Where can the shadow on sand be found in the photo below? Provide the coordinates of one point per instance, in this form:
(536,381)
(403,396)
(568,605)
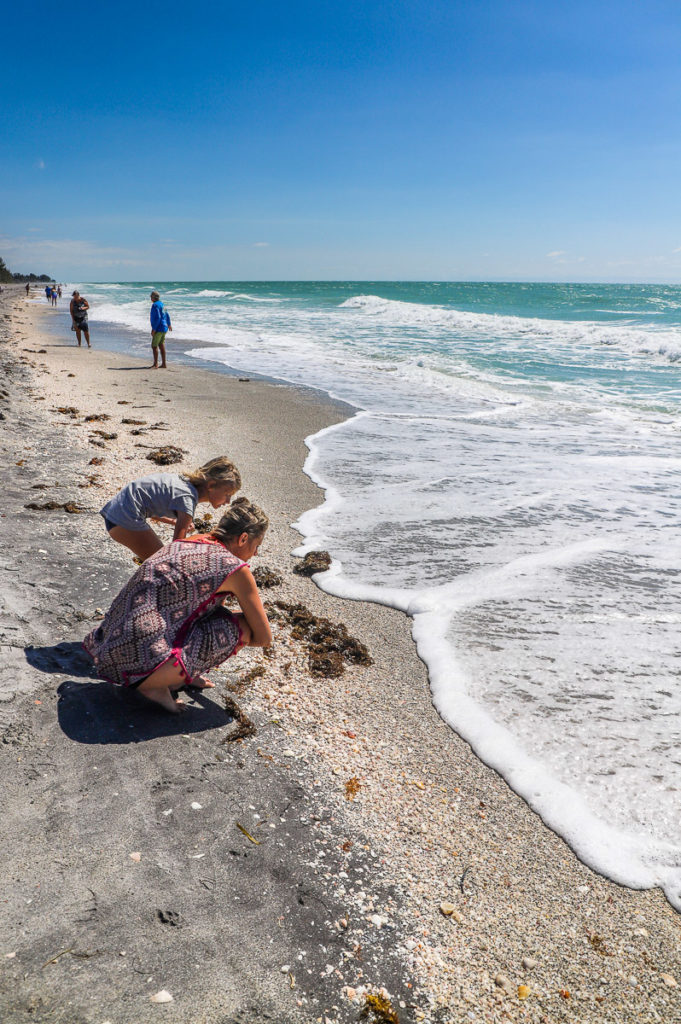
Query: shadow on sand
(67,658)
(98,712)
(102,713)
(127,368)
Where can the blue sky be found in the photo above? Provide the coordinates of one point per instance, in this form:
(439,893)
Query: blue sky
(498,139)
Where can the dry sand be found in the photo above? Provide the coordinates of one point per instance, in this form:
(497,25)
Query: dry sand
(388,857)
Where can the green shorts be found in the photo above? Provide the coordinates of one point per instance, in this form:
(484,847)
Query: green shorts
(157,338)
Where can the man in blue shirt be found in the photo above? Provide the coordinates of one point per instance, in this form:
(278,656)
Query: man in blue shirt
(160,325)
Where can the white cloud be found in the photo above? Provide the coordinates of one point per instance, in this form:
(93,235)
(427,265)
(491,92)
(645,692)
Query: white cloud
(36,252)
(261,245)
(556,254)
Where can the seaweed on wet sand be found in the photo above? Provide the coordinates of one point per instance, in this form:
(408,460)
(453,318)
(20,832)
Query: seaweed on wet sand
(53,506)
(245,727)
(96,417)
(105,435)
(266,577)
(67,410)
(328,643)
(166,455)
(314,561)
(238,684)
(132,422)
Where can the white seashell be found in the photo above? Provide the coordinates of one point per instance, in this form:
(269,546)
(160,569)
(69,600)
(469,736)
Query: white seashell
(161,997)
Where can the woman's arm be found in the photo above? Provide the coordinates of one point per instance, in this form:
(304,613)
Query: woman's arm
(243,586)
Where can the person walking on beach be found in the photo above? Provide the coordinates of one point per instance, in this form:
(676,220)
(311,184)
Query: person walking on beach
(168,625)
(167,498)
(54,295)
(160,325)
(28,288)
(79,321)
(48,292)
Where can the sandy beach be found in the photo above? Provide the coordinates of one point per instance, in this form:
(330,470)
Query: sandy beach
(352,859)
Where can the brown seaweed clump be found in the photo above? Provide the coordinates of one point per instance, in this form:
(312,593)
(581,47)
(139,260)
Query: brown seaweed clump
(379,1009)
(314,561)
(266,577)
(67,410)
(96,417)
(245,727)
(166,455)
(91,481)
(203,524)
(105,435)
(52,506)
(328,664)
(134,423)
(328,643)
(97,461)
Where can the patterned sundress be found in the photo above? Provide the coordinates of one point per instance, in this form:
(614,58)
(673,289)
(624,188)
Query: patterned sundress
(169,609)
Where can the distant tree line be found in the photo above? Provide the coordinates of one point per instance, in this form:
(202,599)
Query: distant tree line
(7,277)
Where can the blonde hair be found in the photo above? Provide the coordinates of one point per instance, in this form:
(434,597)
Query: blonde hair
(242,516)
(219,470)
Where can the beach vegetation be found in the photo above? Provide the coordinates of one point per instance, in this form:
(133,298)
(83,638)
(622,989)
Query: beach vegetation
(7,277)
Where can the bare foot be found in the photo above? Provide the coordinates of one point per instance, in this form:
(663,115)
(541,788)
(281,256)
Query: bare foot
(201,683)
(162,696)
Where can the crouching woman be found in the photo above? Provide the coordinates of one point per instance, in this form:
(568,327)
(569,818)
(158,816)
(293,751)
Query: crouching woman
(168,625)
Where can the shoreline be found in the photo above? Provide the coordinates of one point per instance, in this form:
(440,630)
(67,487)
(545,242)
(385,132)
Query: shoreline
(444,828)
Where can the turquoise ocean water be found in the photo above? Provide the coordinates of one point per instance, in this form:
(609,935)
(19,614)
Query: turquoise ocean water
(511,480)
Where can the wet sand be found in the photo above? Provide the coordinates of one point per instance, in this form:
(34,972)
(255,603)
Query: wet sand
(388,859)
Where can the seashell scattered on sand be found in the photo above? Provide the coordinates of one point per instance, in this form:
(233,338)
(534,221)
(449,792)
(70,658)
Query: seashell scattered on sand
(161,997)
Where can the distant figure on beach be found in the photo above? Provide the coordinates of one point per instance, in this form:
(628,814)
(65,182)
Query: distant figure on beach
(28,287)
(79,321)
(168,625)
(54,295)
(59,290)
(160,325)
(167,498)
(48,292)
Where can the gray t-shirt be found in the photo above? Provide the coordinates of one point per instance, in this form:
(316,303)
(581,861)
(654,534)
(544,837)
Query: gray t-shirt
(159,494)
